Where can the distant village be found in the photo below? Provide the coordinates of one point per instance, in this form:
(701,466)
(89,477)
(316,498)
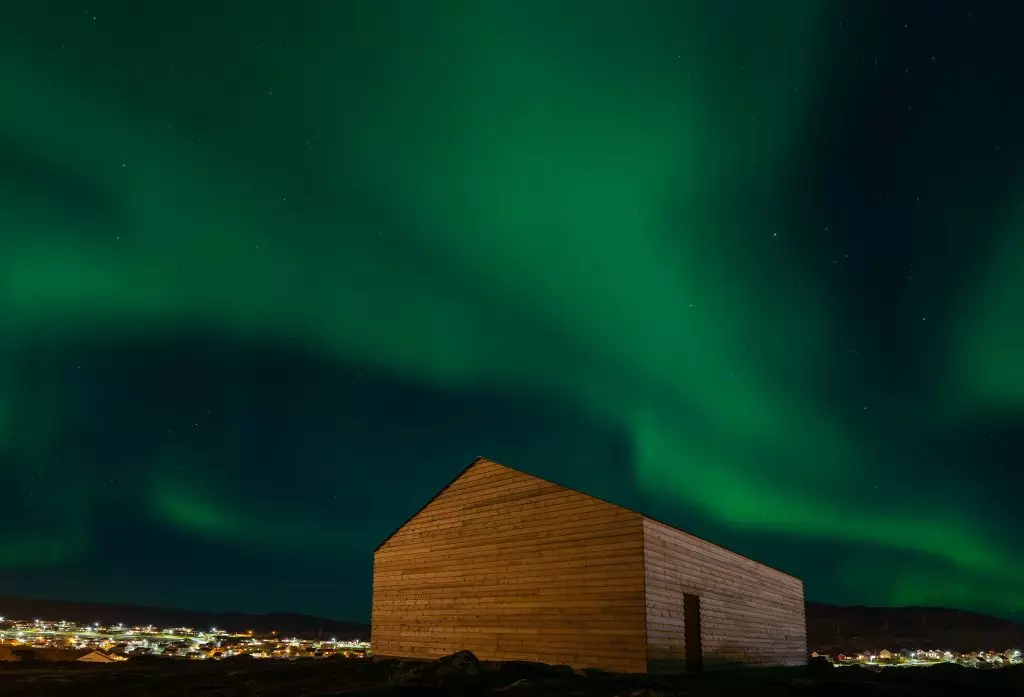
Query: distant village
(907,657)
(57,641)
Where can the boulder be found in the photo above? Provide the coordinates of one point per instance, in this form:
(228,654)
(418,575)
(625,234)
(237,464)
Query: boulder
(503,673)
(461,668)
(820,667)
(391,670)
(652,692)
(522,684)
(544,686)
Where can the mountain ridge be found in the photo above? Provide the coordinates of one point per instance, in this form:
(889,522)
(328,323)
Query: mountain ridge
(285,623)
(854,628)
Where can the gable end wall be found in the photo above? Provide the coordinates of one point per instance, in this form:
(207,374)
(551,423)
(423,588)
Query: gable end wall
(513,567)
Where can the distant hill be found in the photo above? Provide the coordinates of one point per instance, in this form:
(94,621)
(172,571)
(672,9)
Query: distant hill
(838,629)
(284,623)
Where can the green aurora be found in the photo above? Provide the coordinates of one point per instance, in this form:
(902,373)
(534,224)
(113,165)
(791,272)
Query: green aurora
(649,218)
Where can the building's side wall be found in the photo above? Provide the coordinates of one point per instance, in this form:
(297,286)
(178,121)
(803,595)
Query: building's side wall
(514,568)
(750,613)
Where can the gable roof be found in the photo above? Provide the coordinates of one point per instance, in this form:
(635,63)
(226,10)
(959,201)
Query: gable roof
(481,459)
(434,498)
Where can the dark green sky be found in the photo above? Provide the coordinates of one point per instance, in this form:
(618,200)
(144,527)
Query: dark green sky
(271,273)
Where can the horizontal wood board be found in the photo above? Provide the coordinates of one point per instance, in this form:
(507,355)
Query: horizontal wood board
(513,567)
(750,613)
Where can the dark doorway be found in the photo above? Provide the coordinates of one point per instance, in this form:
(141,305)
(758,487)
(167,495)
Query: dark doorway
(691,625)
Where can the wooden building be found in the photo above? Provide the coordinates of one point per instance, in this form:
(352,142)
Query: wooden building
(513,567)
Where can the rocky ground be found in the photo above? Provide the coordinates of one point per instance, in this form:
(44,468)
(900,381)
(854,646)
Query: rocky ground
(462,675)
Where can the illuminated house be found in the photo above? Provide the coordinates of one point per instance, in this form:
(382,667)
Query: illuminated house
(98,657)
(513,567)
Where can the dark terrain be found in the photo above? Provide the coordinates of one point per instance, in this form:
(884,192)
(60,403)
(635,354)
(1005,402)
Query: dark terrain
(461,675)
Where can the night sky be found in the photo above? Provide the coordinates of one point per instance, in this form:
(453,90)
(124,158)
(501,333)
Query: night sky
(272,273)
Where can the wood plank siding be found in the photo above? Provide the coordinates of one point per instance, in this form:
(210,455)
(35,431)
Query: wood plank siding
(513,567)
(749,612)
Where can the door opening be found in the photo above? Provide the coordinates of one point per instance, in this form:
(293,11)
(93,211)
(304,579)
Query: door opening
(691,626)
